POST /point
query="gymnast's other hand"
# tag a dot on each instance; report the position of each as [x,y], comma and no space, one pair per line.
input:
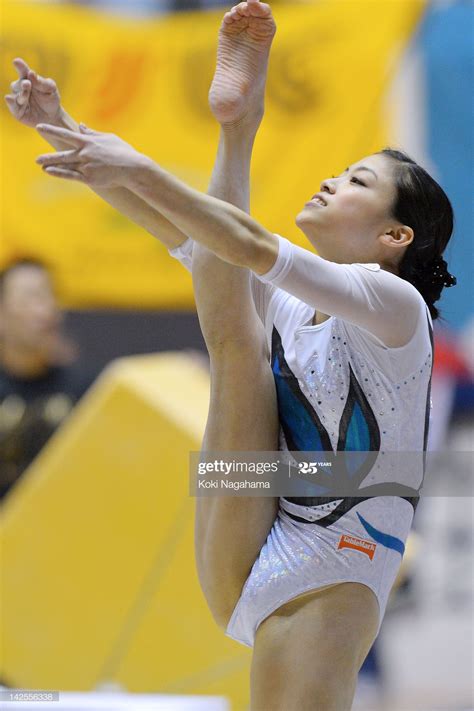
[33,99]
[94,158]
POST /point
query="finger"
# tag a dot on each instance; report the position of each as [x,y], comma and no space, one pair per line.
[85,129]
[23,95]
[76,167]
[72,138]
[19,84]
[66,173]
[58,158]
[44,86]
[21,67]
[11,103]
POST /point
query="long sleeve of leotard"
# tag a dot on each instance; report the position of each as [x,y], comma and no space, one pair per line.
[363,294]
[261,292]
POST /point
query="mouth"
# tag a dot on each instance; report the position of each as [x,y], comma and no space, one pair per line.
[319,200]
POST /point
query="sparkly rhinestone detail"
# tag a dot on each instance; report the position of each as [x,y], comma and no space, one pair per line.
[325,382]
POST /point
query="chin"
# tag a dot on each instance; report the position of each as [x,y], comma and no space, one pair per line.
[303,219]
[306,225]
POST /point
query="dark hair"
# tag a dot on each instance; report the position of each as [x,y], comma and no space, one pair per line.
[423,205]
[16,264]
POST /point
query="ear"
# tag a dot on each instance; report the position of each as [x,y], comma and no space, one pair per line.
[400,236]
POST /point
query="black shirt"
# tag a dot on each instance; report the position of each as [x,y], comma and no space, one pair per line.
[31,409]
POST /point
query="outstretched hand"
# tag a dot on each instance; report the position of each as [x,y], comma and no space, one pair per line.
[33,98]
[94,158]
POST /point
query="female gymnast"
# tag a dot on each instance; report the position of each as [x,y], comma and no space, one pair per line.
[346,338]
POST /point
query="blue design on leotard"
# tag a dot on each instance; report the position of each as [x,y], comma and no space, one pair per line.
[304,432]
[302,427]
[358,432]
[385,539]
[358,435]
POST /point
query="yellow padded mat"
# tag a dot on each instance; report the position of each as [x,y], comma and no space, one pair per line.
[98,575]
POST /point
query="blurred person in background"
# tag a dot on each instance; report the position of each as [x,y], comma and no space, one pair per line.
[39,379]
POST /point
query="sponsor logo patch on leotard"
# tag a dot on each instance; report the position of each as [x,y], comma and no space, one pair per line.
[358,544]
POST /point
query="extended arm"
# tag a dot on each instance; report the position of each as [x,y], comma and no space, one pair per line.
[103,160]
[372,300]
[229,232]
[35,99]
[136,209]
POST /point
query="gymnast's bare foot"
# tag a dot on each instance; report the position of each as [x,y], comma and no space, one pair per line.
[237,92]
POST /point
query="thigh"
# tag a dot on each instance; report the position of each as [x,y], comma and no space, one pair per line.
[307,654]
[243,414]
[230,530]
[243,408]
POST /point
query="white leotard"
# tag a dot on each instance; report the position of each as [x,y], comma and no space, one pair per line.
[368,308]
[358,381]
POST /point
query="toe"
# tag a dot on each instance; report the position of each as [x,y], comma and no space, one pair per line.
[260,9]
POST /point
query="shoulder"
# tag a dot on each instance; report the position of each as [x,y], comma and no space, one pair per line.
[400,308]
[388,284]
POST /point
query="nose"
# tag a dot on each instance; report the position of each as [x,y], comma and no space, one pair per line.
[328,186]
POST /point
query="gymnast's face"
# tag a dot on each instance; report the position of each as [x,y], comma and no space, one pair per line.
[355,223]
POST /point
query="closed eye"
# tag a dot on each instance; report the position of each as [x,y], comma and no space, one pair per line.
[353,178]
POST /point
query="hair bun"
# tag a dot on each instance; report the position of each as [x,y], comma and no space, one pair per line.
[438,274]
[430,278]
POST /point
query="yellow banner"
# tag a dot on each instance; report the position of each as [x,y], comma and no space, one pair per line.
[148,81]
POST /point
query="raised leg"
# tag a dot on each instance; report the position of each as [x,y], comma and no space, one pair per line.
[230,531]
